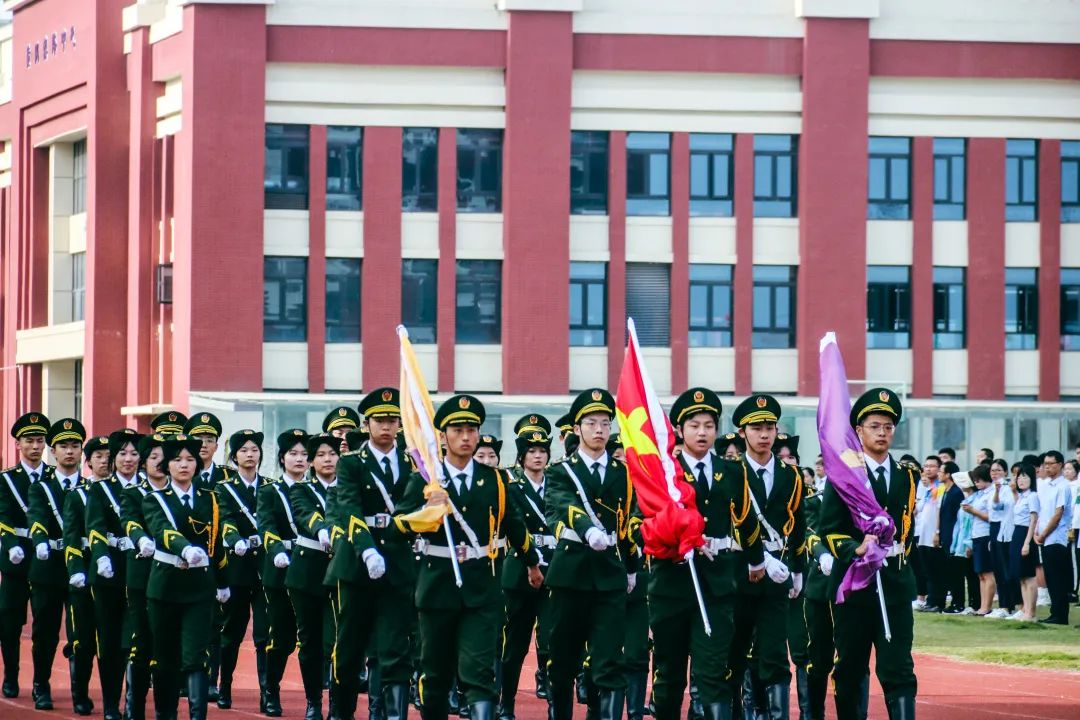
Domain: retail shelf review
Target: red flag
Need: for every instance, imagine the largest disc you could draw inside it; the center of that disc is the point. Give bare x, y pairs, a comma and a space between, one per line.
673, 526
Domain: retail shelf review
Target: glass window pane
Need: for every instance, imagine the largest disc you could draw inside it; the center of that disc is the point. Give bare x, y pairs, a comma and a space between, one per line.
763, 180
699, 175
419, 169
285, 168
419, 280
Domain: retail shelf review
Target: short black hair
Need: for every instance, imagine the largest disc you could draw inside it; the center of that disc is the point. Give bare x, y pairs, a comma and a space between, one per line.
988, 452
1000, 462
1030, 460
1029, 472
1040, 459
1053, 455
934, 458
950, 467
909, 458
947, 451
980, 473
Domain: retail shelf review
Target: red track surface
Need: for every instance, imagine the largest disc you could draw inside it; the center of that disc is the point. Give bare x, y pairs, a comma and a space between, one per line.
948, 689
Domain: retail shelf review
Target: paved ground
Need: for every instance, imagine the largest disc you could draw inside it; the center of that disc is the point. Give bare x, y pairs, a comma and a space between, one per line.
948, 690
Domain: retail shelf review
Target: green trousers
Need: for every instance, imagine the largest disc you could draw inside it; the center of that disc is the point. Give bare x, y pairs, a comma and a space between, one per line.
679, 638
14, 599
47, 604
525, 610
857, 629
797, 634
311, 610
760, 626
580, 617
182, 634
819, 629
353, 607
458, 643
636, 639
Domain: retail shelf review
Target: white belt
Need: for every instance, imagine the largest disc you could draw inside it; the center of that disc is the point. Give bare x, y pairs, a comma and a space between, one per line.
464, 552
122, 543
718, 545
287, 544
773, 545
378, 520
22, 532
177, 561
545, 541
568, 534
56, 544
85, 543
896, 549
254, 541
308, 543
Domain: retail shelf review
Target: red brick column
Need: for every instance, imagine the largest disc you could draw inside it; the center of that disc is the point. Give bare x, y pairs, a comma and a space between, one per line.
986, 269
446, 287
316, 266
1050, 270
680, 261
616, 330
922, 267
742, 306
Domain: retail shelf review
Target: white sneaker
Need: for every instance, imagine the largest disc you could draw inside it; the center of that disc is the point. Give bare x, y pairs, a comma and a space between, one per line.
1044, 598
1000, 613
1018, 615
968, 611
918, 604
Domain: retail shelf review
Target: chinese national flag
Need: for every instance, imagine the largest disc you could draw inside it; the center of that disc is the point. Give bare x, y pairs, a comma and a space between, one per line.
673, 527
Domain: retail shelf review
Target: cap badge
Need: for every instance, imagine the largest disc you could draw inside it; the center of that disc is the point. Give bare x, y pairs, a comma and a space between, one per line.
206, 418
537, 437
884, 396
341, 412
532, 419
699, 396
762, 402
463, 403
172, 417
596, 395
298, 432
67, 424
386, 395
487, 438
33, 418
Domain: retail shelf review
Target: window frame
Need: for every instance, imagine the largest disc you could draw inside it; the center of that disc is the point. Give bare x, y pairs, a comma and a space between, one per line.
711, 333
287, 198
770, 205
465, 331
944, 289
891, 206
78, 286
591, 149
422, 194
1026, 164
417, 302
350, 199
338, 330
1026, 336
585, 330
647, 204
1070, 162
953, 162
282, 330
80, 160
481, 146
713, 203
893, 298
1070, 299
773, 286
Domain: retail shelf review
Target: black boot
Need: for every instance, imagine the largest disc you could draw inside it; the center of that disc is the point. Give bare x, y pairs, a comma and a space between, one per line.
396, 701
260, 669
817, 690
111, 677
582, 688
802, 687
718, 711
414, 690
750, 706
138, 678
198, 685
464, 708
864, 697
901, 707
507, 709
376, 707
226, 667
80, 702
777, 701
736, 700
635, 695
611, 704
362, 679
166, 695
275, 670
560, 703
541, 680
214, 667
452, 701
694, 711
10, 639
483, 710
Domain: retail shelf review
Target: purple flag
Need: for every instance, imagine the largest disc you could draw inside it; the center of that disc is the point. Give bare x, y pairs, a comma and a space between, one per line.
841, 452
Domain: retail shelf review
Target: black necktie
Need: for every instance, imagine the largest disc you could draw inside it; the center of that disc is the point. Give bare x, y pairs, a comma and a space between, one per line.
386, 469
702, 478
206, 476
187, 501
596, 473
761, 475
64, 484
34, 476
882, 489
461, 483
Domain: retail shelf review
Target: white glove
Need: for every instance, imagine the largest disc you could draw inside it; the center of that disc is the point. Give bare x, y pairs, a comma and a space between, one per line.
631, 582
16, 555
146, 547
223, 595
194, 556
324, 538
104, 567
796, 585
777, 571
78, 580
596, 539
281, 560
826, 562
42, 551
240, 548
376, 566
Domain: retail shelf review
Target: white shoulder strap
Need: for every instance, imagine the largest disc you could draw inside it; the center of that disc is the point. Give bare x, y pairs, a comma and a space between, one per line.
240, 504
111, 497
585, 500
288, 509
165, 508
52, 505
14, 492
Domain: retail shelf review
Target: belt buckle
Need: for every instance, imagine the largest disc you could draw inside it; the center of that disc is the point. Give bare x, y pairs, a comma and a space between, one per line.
182, 564
255, 541
538, 539
462, 552
382, 520
419, 546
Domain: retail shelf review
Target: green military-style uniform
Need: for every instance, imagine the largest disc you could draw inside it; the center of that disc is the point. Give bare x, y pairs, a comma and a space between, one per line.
526, 606
723, 500
139, 563
48, 573
189, 567
374, 614
589, 502
278, 530
343, 422
81, 624
107, 565
761, 609
857, 621
310, 501
238, 500
459, 626
15, 549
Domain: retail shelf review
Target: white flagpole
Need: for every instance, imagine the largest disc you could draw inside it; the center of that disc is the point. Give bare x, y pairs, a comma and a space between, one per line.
697, 592
884, 614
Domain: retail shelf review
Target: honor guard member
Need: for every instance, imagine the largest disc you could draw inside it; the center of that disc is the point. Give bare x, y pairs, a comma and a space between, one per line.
310, 597
138, 568
338, 422
29, 434
278, 531
488, 451
186, 578
459, 626
237, 498
722, 498
589, 501
730, 446
373, 566
786, 447
206, 428
526, 606
567, 437
80, 625
636, 639
858, 625
107, 566
48, 573
776, 494
169, 422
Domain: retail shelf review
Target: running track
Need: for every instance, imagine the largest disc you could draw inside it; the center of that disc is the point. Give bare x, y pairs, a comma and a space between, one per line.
948, 690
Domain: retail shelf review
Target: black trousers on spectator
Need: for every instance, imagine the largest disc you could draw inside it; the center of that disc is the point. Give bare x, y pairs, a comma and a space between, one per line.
1057, 567
959, 574
935, 560
918, 566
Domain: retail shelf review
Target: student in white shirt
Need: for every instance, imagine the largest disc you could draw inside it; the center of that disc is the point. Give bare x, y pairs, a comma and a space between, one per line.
979, 509
1001, 532
1055, 499
1023, 557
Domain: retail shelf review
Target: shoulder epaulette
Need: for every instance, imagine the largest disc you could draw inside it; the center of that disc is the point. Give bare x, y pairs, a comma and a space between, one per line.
352, 452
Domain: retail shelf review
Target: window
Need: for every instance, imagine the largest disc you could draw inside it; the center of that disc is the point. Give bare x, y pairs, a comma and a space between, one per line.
950, 318
285, 174
888, 307
588, 304
1022, 435
479, 302
950, 186
775, 179
419, 170
419, 299
78, 177
712, 175
648, 173
479, 171
889, 192
949, 432
588, 172
78, 390
710, 305
1070, 309
342, 300
1070, 181
344, 167
648, 301
774, 306
284, 299
78, 286
1021, 180
1021, 309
